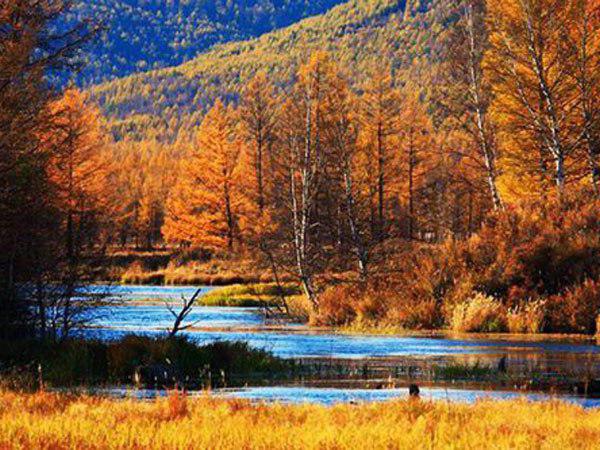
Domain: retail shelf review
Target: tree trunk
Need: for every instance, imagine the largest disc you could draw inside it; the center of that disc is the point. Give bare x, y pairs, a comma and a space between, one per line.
380, 181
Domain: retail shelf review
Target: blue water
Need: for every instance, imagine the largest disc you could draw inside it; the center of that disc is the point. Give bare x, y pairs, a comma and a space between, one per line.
169, 293
298, 344
155, 318
232, 324
248, 325
333, 396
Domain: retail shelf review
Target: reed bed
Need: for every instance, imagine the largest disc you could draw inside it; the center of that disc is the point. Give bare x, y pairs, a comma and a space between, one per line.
57, 421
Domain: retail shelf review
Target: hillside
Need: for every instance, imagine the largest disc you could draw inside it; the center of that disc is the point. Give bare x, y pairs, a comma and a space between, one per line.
164, 102
141, 35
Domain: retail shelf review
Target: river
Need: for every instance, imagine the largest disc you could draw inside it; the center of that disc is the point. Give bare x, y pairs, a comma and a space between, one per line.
142, 312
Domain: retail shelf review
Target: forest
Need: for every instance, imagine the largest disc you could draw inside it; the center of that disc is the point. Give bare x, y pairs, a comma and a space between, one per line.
142, 35
464, 198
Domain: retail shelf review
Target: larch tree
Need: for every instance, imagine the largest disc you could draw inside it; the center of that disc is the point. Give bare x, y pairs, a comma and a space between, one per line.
79, 173
77, 166
257, 125
379, 119
414, 153
205, 206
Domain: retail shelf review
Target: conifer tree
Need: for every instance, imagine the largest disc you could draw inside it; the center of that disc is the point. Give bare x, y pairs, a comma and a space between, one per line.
205, 207
257, 123
379, 119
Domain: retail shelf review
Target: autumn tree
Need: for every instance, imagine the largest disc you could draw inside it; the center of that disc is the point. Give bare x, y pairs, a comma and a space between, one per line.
207, 206
466, 93
311, 208
341, 133
534, 101
583, 42
77, 167
257, 125
141, 175
32, 55
379, 119
414, 155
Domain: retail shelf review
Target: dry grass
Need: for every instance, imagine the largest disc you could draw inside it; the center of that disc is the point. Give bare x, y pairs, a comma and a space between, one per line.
217, 272
479, 314
49, 421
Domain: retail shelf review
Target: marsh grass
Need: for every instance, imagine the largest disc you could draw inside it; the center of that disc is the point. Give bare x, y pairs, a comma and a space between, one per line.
456, 371
28, 364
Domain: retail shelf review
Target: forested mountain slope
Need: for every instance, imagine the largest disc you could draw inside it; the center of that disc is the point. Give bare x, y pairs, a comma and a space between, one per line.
148, 34
361, 33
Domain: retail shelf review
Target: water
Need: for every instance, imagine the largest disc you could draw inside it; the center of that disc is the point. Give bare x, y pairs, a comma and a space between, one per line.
333, 396
304, 343
212, 324
248, 324
152, 319
168, 293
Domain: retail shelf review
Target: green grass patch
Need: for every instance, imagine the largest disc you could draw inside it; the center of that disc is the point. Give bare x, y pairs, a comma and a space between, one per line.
251, 295
475, 371
81, 362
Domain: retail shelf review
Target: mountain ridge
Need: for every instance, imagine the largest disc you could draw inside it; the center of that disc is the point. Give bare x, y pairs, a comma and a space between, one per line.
360, 33
141, 35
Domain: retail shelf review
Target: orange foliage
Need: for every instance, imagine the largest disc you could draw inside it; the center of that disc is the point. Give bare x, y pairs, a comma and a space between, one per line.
205, 206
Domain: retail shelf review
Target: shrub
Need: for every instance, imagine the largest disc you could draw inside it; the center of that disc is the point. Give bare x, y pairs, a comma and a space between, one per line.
576, 310
535, 250
415, 315
81, 362
527, 318
371, 306
480, 314
336, 306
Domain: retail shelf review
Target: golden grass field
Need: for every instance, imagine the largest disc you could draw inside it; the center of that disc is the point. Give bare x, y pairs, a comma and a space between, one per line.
52, 421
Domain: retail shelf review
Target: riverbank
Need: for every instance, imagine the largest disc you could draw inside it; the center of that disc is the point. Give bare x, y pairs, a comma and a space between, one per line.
299, 311
58, 421
180, 268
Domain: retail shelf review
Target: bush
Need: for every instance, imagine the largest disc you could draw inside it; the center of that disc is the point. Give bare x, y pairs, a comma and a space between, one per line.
535, 251
336, 306
415, 315
576, 310
527, 318
481, 314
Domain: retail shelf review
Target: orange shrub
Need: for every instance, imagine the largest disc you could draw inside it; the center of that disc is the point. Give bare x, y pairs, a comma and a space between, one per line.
575, 311
535, 250
336, 306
